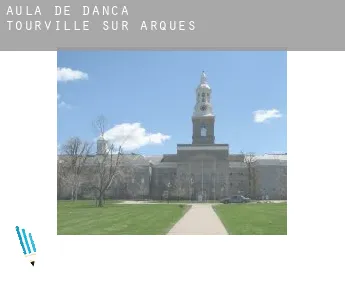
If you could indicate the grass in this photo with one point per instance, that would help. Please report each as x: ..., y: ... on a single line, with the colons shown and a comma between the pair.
x: 83, y: 218
x: 182, y: 201
x: 254, y: 219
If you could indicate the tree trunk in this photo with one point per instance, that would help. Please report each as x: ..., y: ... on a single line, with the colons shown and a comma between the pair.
x: 59, y: 185
x: 74, y: 190
x: 73, y: 194
x: 100, y: 200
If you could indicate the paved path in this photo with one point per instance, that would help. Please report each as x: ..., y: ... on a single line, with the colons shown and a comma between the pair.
x: 199, y: 220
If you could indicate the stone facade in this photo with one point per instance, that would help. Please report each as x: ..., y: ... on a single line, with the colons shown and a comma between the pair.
x: 200, y: 171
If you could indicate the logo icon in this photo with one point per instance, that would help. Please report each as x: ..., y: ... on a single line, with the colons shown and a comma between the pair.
x: 28, y: 245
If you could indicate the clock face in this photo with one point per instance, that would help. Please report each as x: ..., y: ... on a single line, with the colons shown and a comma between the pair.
x: 203, y: 108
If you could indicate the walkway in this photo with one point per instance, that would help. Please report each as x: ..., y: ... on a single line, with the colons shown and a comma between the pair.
x: 199, y: 220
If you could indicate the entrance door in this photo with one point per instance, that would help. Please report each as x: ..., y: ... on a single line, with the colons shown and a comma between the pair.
x: 200, y: 197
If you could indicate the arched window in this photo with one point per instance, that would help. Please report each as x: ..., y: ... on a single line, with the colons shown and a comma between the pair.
x: 203, y: 131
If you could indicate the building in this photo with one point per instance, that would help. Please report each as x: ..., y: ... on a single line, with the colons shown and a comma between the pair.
x: 200, y: 171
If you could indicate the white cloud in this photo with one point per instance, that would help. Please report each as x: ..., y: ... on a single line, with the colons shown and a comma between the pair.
x: 64, y: 105
x: 67, y: 74
x: 133, y: 136
x: 261, y: 116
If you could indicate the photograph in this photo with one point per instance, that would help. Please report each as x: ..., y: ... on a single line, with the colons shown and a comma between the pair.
x: 171, y: 142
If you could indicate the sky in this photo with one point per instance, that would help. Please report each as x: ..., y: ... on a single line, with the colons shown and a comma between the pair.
x: 149, y: 97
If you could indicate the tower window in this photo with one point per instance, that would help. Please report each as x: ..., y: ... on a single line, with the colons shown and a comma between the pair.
x: 203, y: 131
x: 203, y: 100
x: 203, y: 94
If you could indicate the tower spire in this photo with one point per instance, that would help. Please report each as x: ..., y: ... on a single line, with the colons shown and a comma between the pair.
x: 101, y: 145
x: 203, y: 117
x: 203, y: 79
x: 203, y: 104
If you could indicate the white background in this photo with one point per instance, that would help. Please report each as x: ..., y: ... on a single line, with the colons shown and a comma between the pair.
x: 313, y: 249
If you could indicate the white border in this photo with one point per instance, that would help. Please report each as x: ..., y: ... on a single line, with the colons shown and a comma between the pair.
x: 316, y: 195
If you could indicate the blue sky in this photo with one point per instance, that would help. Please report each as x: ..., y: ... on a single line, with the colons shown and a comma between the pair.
x: 151, y: 94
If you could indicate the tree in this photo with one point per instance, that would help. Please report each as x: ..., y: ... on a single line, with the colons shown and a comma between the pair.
x: 127, y: 177
x: 283, y: 183
x: 59, y: 179
x: 171, y: 185
x: 179, y: 183
x: 111, y: 168
x: 142, y: 187
x: 73, y: 163
x: 250, y: 159
x: 107, y: 168
x: 100, y: 124
x: 191, y: 182
x: 114, y: 166
x: 213, y: 180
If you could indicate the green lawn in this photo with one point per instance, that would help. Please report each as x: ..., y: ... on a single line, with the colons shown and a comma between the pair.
x: 83, y: 218
x: 254, y: 219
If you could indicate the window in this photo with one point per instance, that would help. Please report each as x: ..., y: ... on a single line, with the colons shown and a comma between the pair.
x: 203, y: 131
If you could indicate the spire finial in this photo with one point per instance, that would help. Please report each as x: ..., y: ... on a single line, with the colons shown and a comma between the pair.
x: 203, y: 79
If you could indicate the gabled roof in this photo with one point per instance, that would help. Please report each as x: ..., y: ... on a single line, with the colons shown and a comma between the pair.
x: 136, y: 159
x: 282, y: 157
x: 155, y: 159
x: 130, y: 159
x: 169, y: 158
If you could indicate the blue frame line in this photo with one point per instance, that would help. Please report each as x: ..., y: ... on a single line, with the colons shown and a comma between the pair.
x: 20, y: 240
x: 32, y: 243
x: 26, y: 241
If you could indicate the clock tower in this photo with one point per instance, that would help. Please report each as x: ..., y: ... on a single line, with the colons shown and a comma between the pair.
x: 203, y: 117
